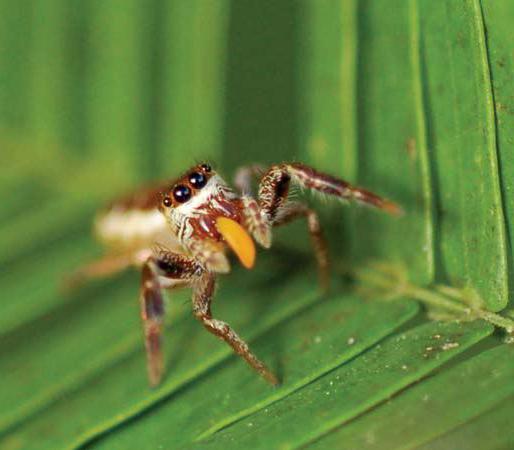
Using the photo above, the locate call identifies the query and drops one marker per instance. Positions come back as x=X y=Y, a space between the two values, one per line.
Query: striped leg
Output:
x=162 y=271
x=274 y=188
x=203 y=291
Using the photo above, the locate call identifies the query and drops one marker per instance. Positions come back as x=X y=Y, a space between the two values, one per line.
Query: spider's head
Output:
x=201 y=206
x=191 y=189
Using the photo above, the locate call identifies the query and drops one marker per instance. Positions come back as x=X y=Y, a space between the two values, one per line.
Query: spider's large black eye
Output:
x=197 y=180
x=206 y=168
x=182 y=193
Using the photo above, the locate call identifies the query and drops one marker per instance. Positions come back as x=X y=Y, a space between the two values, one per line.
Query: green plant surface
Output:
x=402 y=172
x=120 y=383
x=48 y=113
x=35 y=380
x=114 y=102
x=327 y=96
x=15 y=41
x=32 y=229
x=327 y=102
x=261 y=106
x=462 y=135
x=494 y=427
x=190 y=126
x=14 y=205
x=351 y=389
x=434 y=407
x=408 y=98
x=333 y=331
x=43 y=290
x=500 y=41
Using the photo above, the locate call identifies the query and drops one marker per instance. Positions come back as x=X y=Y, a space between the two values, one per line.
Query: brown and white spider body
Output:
x=178 y=233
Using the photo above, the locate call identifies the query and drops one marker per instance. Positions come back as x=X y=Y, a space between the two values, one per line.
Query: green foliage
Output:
x=409 y=98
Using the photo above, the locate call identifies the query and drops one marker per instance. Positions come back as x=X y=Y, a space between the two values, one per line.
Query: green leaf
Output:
x=500 y=41
x=191 y=124
x=15 y=40
x=32 y=230
x=352 y=389
x=494 y=426
x=462 y=134
x=327 y=101
x=50 y=77
x=114 y=101
x=411 y=99
x=43 y=289
x=120 y=384
x=327 y=96
x=35 y=379
x=333 y=331
x=454 y=397
x=402 y=171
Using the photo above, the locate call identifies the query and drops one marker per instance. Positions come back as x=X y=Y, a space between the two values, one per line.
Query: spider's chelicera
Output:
x=178 y=235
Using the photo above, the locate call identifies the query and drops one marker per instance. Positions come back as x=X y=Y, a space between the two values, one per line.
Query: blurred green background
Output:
x=409 y=98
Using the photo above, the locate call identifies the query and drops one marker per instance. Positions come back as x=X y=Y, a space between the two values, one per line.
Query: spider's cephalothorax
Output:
x=193 y=205
x=179 y=233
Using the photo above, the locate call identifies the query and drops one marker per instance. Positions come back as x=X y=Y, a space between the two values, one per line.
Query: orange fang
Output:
x=238 y=240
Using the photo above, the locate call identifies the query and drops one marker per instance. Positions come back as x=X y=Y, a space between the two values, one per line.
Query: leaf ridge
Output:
x=427 y=182
x=492 y=138
x=488 y=72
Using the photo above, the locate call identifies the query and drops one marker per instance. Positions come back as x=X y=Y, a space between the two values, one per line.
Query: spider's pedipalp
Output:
x=256 y=222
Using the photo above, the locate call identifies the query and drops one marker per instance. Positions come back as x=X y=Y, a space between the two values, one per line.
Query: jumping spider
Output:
x=178 y=233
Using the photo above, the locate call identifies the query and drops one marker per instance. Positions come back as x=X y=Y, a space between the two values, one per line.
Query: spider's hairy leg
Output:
x=274 y=188
x=203 y=290
x=165 y=270
x=293 y=211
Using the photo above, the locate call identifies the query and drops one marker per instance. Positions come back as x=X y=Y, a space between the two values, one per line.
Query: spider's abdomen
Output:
x=130 y=228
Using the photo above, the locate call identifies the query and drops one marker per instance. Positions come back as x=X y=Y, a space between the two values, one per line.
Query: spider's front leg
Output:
x=163 y=270
x=277 y=210
x=203 y=290
x=275 y=183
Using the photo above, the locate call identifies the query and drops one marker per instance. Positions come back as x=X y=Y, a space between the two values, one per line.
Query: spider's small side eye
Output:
x=197 y=180
x=205 y=167
x=182 y=193
x=166 y=201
